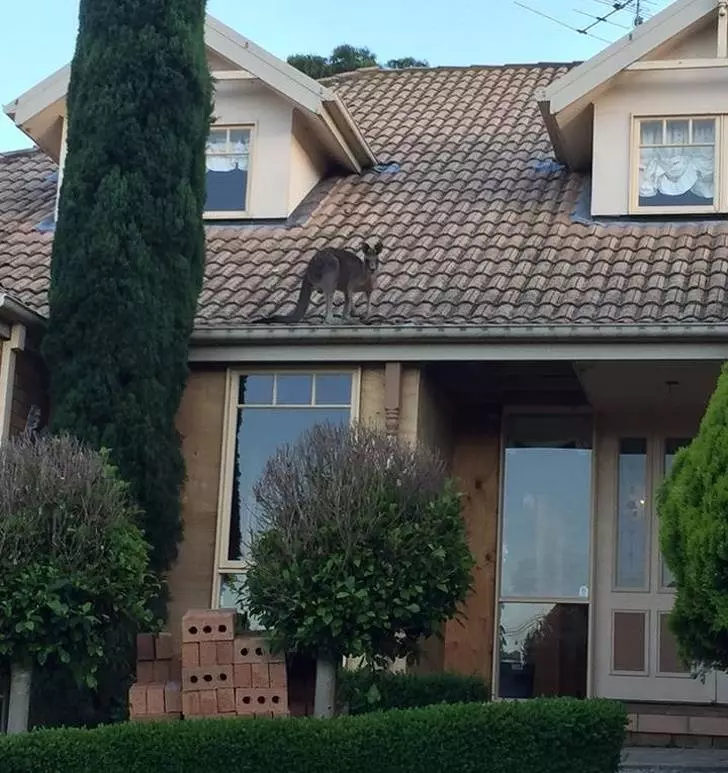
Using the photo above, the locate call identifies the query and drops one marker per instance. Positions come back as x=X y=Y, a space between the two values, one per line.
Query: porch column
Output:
x=476 y=464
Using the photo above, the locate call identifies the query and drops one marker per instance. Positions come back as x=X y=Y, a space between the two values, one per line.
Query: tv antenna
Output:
x=620 y=14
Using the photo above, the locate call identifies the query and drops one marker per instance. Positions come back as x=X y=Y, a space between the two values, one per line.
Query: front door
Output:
x=635 y=656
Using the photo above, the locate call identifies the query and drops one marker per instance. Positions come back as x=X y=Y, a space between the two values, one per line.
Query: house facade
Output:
x=551 y=315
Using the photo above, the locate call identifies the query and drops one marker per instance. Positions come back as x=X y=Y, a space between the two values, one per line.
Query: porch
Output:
x=560 y=463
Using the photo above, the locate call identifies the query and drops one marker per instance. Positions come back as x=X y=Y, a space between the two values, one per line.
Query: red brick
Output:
x=145 y=672
x=172 y=698
x=137 y=700
x=278 y=676
x=208 y=653
x=191 y=704
x=164 y=647
x=210 y=678
x=208 y=625
x=161 y=671
x=260 y=675
x=243 y=675
x=190 y=654
x=208 y=702
x=145 y=646
x=155 y=699
x=226 y=700
x=224 y=653
x=260 y=702
x=251 y=649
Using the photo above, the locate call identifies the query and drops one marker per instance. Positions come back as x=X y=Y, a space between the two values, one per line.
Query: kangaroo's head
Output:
x=370 y=249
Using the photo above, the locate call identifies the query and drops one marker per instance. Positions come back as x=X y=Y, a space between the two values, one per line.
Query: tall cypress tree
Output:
x=128 y=254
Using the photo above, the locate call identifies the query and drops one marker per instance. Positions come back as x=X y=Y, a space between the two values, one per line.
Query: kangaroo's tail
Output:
x=304 y=298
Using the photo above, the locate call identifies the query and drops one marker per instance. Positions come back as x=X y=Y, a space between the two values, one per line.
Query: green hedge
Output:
x=539 y=736
x=364 y=691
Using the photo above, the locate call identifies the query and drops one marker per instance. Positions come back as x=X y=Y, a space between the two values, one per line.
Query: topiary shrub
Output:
x=74 y=565
x=362 y=552
x=363 y=690
x=539 y=736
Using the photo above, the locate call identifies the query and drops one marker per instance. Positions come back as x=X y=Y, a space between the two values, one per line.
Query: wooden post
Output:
x=476 y=464
x=722 y=29
x=392 y=396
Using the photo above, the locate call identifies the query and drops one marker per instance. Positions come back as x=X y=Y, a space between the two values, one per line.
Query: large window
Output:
x=677 y=164
x=545 y=548
x=227 y=171
x=270 y=411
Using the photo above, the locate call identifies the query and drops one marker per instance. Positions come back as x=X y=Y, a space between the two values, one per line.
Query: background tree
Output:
x=693 y=508
x=363 y=550
x=347 y=58
x=74 y=566
x=128 y=252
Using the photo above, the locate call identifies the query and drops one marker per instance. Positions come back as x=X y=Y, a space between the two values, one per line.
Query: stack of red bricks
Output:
x=156 y=694
x=224 y=675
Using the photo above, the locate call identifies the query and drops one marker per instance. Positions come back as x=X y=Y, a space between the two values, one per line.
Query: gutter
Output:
x=445 y=334
x=16 y=311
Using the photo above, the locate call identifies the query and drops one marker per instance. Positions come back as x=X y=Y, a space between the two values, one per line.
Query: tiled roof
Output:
x=478 y=226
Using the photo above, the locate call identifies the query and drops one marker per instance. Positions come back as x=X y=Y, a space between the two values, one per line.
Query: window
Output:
x=677 y=164
x=227 y=167
x=269 y=410
x=545 y=547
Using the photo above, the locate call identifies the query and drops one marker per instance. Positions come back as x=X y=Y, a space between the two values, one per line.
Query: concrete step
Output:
x=643 y=760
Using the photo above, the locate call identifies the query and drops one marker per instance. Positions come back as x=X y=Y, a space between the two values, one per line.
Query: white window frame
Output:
x=234 y=214
x=223 y=565
x=720 y=199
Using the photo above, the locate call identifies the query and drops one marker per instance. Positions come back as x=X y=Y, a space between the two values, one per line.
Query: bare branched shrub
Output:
x=362 y=549
x=57 y=499
x=347 y=482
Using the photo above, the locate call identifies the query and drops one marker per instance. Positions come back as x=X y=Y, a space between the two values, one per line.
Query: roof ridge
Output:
x=363 y=71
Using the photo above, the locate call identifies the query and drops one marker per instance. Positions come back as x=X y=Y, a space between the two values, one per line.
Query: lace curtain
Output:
x=673 y=166
x=226 y=154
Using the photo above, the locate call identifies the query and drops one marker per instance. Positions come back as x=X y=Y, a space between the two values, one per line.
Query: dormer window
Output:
x=227 y=171
x=676 y=164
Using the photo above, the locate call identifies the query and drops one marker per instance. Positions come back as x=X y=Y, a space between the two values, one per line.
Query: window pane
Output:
x=543 y=650
x=651 y=133
x=704 y=131
x=256 y=390
x=672 y=446
x=217 y=141
x=232 y=596
x=633 y=516
x=547 y=507
x=677 y=176
x=240 y=141
x=294 y=390
x=677 y=132
x=260 y=432
x=334 y=389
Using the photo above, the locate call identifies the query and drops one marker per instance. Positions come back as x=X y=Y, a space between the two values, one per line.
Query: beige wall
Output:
x=249 y=102
x=435 y=420
x=308 y=164
x=700 y=44
x=642 y=94
x=200 y=422
x=372 y=401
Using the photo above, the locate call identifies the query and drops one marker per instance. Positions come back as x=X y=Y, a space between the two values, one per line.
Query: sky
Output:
x=35 y=43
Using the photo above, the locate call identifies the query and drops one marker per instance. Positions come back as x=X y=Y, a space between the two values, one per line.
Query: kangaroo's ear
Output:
x=378 y=246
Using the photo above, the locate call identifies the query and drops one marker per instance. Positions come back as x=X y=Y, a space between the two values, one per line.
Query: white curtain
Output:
x=676 y=167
